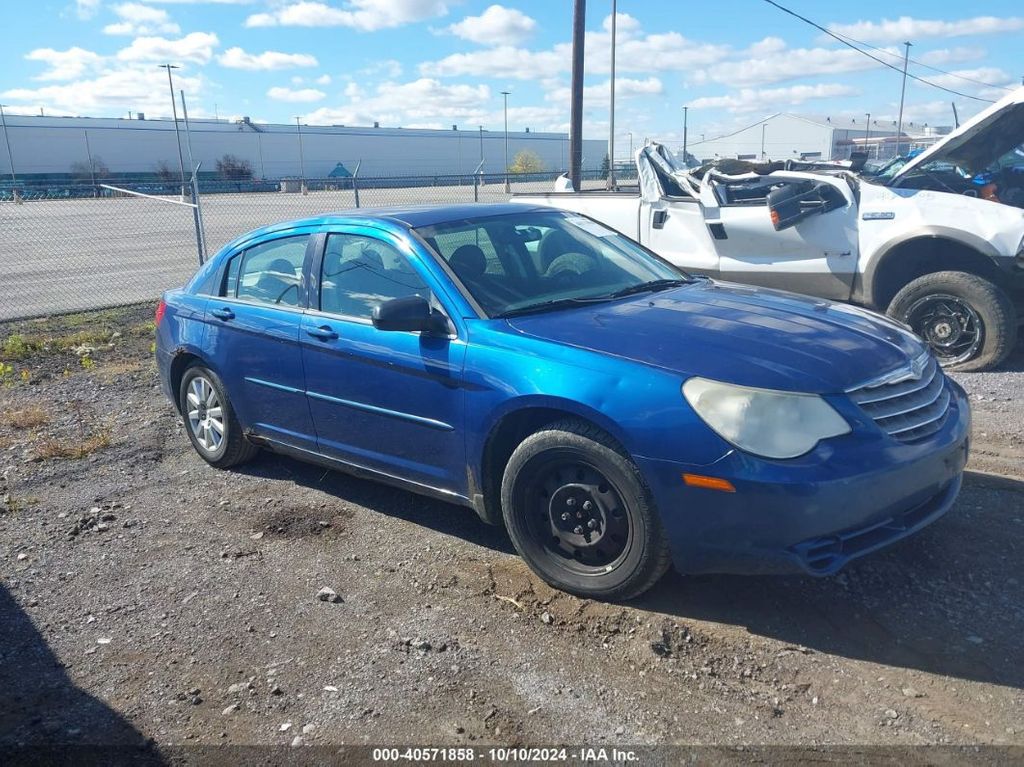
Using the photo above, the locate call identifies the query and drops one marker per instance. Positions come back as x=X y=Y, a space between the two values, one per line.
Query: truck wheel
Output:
x=969 y=322
x=579 y=513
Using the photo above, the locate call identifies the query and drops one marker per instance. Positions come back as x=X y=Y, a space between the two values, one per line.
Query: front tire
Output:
x=210 y=419
x=969 y=322
x=581 y=516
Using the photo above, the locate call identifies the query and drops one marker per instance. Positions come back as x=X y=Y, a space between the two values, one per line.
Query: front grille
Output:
x=907 y=407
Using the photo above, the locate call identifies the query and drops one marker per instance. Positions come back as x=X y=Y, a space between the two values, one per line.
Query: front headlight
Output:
x=768 y=423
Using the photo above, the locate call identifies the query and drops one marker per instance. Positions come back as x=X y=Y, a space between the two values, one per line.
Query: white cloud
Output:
x=598 y=95
x=137 y=19
x=497 y=25
x=505 y=61
x=301 y=95
x=635 y=52
x=86 y=9
x=354 y=91
x=942 y=56
x=783 y=65
x=777 y=99
x=364 y=15
x=131 y=88
x=236 y=58
x=419 y=101
x=196 y=48
x=64 y=65
x=908 y=28
x=323 y=80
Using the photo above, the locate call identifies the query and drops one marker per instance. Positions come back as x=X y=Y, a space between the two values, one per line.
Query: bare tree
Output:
x=82 y=170
x=164 y=172
x=234 y=168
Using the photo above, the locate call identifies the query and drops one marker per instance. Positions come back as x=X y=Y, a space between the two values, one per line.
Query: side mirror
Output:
x=412 y=313
x=790 y=204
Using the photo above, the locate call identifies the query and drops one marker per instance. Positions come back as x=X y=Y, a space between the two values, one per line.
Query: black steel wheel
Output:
x=580 y=514
x=969 y=322
x=949 y=325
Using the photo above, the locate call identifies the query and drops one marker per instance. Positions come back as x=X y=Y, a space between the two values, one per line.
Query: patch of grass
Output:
x=18 y=347
x=67 y=448
x=26 y=418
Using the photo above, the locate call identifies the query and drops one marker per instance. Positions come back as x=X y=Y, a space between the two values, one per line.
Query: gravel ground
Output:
x=145 y=596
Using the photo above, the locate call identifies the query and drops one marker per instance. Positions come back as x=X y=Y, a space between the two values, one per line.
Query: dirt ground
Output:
x=145 y=596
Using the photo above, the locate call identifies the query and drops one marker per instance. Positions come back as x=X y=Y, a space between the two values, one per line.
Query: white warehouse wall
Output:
x=53 y=144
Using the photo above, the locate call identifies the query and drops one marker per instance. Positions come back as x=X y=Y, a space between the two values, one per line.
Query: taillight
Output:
x=160 y=309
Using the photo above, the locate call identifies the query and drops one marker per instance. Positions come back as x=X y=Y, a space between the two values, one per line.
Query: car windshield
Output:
x=538 y=260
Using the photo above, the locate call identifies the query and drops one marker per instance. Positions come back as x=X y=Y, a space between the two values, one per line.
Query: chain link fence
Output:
x=73 y=246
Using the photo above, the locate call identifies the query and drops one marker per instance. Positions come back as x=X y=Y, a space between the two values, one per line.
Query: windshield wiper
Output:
x=555 y=303
x=651 y=286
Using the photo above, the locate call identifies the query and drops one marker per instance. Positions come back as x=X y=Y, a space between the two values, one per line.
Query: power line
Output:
x=861 y=51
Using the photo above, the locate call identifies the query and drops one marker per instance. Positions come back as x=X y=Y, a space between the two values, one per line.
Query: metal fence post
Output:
x=197 y=217
x=477 y=175
x=355 y=182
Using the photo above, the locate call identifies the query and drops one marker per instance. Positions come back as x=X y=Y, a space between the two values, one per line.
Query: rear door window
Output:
x=270 y=272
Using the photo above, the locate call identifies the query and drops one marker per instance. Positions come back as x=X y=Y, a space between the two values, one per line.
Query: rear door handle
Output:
x=324 y=333
x=223 y=314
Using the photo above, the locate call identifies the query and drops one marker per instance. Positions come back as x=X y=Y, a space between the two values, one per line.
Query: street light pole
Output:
x=302 y=160
x=867 y=135
x=903 y=93
x=764 y=126
x=686 y=115
x=177 y=133
x=508 y=188
x=7 y=140
x=611 y=110
x=630 y=145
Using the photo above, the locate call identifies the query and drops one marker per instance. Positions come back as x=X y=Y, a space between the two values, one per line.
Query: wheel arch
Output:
x=937 y=249
x=508 y=427
x=180 y=362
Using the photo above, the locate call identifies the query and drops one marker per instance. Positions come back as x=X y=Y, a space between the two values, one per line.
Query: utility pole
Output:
x=579 y=23
x=7 y=140
x=867 y=135
x=763 y=127
x=481 y=148
x=302 y=161
x=686 y=115
x=508 y=188
x=177 y=133
x=903 y=93
x=630 y=146
x=92 y=165
x=611 y=110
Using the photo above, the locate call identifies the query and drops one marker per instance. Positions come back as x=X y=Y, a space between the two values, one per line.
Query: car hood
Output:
x=736 y=333
x=979 y=141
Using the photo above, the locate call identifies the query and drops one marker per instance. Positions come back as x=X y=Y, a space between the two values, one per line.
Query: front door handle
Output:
x=659 y=218
x=324 y=333
x=223 y=314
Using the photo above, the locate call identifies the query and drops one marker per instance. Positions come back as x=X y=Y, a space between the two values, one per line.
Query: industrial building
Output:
x=57 y=146
x=788 y=136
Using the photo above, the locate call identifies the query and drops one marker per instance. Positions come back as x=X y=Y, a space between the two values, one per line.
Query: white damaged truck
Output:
x=937 y=242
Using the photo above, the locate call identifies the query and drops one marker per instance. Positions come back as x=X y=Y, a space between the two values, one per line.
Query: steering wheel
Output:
x=569 y=266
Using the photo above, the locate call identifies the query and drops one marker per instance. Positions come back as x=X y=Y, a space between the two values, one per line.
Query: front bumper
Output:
x=850 y=496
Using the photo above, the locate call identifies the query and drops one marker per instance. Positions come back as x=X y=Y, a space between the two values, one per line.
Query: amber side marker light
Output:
x=711 y=483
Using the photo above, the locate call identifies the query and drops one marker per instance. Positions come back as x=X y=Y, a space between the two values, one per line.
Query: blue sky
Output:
x=432 y=63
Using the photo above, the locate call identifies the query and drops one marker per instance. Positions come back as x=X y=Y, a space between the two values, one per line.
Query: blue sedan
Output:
x=616 y=414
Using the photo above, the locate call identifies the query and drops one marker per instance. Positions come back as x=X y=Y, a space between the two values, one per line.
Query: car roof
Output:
x=408 y=216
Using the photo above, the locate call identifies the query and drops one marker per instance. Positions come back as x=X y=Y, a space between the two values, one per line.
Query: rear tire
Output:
x=581 y=516
x=210 y=420
x=969 y=322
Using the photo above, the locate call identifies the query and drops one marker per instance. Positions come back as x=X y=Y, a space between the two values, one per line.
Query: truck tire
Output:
x=580 y=514
x=969 y=322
